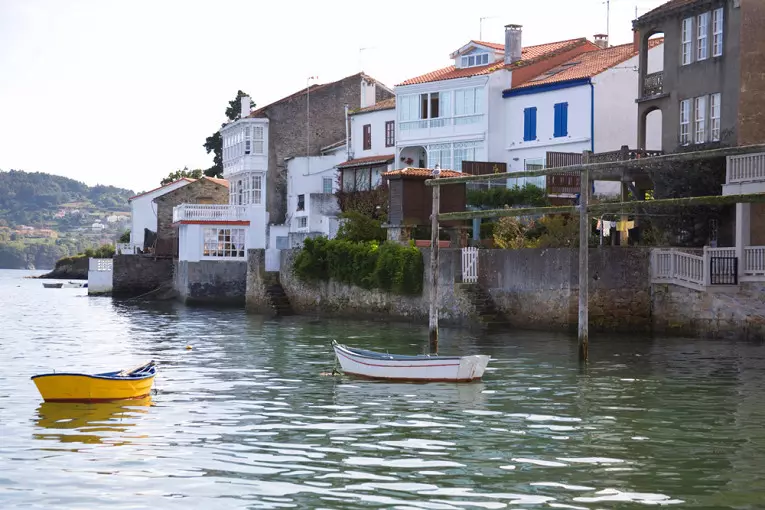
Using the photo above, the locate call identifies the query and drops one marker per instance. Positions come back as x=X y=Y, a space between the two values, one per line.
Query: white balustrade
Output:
x=746 y=168
x=126 y=248
x=722 y=252
x=209 y=212
x=672 y=266
x=754 y=260
x=100 y=265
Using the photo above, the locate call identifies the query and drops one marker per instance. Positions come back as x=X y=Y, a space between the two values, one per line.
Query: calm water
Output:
x=246 y=419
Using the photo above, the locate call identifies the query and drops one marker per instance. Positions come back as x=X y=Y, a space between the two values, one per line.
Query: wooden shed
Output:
x=411 y=202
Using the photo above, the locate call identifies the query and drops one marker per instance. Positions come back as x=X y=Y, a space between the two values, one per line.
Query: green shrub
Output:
x=387 y=266
x=357 y=227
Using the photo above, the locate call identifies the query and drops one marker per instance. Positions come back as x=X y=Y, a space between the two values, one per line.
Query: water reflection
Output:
x=102 y=423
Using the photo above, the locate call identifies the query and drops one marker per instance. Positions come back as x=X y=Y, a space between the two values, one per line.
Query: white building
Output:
x=456 y=113
x=143 y=212
x=312 y=208
x=586 y=103
x=226 y=232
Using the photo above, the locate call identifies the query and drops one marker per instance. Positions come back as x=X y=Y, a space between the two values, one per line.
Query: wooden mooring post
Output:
x=433 y=313
x=584 y=261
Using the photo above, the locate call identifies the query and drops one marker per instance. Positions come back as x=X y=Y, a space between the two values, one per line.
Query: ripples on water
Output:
x=247 y=420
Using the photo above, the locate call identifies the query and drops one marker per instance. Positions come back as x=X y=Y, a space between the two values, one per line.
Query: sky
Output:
x=122 y=92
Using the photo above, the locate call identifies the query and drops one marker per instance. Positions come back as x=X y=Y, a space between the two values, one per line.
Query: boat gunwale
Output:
x=103 y=376
x=394 y=357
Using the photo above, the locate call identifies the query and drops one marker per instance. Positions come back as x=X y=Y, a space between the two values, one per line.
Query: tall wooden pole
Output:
x=433 y=315
x=584 y=257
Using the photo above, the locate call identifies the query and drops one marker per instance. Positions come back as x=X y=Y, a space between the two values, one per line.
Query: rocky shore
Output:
x=69 y=268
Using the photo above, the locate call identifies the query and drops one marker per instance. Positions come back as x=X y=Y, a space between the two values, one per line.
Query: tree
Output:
x=690 y=226
x=358 y=227
x=125 y=237
x=214 y=143
x=180 y=174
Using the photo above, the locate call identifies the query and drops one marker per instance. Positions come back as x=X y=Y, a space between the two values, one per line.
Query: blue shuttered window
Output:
x=561 y=120
x=530 y=124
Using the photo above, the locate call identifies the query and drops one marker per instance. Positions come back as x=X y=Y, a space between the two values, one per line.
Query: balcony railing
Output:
x=653 y=84
x=209 y=212
x=746 y=168
x=754 y=260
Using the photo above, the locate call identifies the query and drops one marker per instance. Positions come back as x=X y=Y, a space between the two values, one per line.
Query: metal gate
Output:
x=470 y=265
x=273 y=260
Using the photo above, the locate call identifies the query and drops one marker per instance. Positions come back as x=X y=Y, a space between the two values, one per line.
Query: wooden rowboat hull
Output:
x=375 y=365
x=106 y=387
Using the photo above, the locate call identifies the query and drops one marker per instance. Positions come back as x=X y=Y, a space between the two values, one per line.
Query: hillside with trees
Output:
x=44 y=217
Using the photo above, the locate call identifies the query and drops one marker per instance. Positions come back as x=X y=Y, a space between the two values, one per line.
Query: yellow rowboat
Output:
x=130 y=383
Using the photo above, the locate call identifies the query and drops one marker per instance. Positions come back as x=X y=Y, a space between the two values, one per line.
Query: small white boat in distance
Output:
x=421 y=368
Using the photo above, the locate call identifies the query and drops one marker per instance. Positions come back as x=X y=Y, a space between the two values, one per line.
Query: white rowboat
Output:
x=421 y=368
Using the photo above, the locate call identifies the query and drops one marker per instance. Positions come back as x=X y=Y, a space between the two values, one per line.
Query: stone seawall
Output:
x=220 y=282
x=135 y=275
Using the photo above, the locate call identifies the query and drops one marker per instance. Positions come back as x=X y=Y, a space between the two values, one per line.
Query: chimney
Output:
x=512 y=43
x=245 y=106
x=601 y=41
x=635 y=41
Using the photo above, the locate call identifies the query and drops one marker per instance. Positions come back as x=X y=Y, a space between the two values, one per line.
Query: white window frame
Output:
x=257 y=190
x=700 y=119
x=257 y=140
x=324 y=187
x=686 y=46
x=224 y=243
x=685 y=122
x=247 y=140
x=301 y=223
x=718 y=19
x=702 y=36
x=475 y=60
x=715 y=112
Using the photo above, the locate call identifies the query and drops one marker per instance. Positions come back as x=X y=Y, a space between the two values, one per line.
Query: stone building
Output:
x=323 y=106
x=206 y=190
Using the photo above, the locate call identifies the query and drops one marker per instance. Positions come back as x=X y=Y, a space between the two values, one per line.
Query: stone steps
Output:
x=488 y=315
x=278 y=298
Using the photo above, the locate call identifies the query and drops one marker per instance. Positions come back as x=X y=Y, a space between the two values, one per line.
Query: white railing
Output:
x=721 y=252
x=745 y=168
x=100 y=265
x=209 y=212
x=672 y=266
x=754 y=260
x=126 y=248
x=470 y=265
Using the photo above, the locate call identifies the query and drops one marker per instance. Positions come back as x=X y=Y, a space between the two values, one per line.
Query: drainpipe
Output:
x=347 y=139
x=592 y=117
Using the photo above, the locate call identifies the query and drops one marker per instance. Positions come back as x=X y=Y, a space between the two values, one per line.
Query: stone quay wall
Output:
x=220 y=282
x=135 y=275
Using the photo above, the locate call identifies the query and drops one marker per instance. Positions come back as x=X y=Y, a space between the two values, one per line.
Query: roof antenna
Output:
x=480 y=26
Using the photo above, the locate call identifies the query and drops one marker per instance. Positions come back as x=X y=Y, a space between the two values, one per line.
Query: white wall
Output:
x=191 y=236
x=577 y=140
x=377 y=120
x=143 y=212
x=616 y=121
x=496 y=145
x=300 y=182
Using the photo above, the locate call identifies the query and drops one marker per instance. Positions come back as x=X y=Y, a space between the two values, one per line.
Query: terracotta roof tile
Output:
x=189 y=179
x=222 y=182
x=587 y=64
x=422 y=172
x=529 y=55
x=385 y=104
x=367 y=161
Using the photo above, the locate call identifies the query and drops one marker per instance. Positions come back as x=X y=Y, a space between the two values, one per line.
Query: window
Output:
x=440 y=154
x=464 y=151
x=302 y=222
x=717 y=32
x=257 y=139
x=687 y=43
x=561 y=120
x=367 y=137
x=700 y=116
x=480 y=59
x=257 y=189
x=408 y=108
x=223 y=242
x=702 y=29
x=685 y=122
x=326 y=185
x=247 y=140
x=530 y=124
x=301 y=203
x=714 y=117
x=468 y=102
x=390 y=133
